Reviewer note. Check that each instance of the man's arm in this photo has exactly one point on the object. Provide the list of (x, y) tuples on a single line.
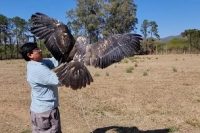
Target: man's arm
[(43, 75)]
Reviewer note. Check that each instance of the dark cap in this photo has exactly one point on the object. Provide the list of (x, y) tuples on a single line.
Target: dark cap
[(27, 48)]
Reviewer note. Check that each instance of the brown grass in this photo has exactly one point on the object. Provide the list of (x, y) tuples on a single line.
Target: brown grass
[(168, 97)]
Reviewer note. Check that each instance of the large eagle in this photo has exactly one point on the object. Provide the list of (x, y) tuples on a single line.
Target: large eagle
[(73, 54)]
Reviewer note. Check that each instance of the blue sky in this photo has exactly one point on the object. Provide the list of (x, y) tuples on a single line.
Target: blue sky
[(172, 16)]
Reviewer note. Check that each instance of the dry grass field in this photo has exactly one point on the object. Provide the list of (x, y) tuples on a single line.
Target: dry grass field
[(145, 94)]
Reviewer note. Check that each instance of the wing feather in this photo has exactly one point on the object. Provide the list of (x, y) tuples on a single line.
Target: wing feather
[(56, 35), (118, 48), (113, 49), (74, 75)]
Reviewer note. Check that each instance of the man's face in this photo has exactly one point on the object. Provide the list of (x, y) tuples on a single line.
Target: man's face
[(35, 54)]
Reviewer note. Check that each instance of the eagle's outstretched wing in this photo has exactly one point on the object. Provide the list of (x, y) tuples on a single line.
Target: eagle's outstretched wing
[(56, 35), (108, 51), (60, 42)]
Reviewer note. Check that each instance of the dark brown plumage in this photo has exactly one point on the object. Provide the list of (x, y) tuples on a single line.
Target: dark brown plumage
[(74, 54)]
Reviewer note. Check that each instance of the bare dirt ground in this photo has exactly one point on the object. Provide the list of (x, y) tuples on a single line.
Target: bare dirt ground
[(148, 94)]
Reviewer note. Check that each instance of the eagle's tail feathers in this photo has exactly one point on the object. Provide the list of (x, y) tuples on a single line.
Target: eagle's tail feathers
[(74, 75)]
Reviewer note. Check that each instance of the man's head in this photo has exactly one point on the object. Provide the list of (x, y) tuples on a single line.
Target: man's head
[(30, 51)]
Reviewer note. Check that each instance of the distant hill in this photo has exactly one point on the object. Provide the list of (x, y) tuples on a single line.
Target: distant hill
[(166, 39)]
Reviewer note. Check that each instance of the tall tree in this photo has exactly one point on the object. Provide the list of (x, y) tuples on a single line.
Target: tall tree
[(149, 27), (154, 32), (100, 18), (3, 32), (193, 37), (84, 18), (154, 29), (144, 31), (3, 28), (20, 28), (120, 16), (144, 28)]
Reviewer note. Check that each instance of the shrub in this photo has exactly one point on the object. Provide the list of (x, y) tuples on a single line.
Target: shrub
[(129, 69)]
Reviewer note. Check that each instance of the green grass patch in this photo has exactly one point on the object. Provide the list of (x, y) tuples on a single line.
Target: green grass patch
[(174, 69), (26, 131), (129, 69), (145, 73), (173, 129), (107, 74), (97, 75)]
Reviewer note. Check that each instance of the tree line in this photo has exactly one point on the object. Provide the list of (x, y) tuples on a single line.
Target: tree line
[(97, 19), (13, 32)]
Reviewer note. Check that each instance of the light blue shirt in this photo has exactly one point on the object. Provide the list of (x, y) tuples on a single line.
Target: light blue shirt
[(43, 82)]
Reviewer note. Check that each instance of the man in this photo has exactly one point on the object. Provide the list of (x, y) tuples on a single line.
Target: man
[(44, 112)]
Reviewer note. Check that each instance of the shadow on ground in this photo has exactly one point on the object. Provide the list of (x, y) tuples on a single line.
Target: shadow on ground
[(118, 129)]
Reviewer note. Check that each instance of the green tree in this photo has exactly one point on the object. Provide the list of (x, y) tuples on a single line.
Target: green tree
[(19, 29), (149, 27), (3, 28), (100, 18), (193, 37), (154, 29), (84, 18), (144, 28), (154, 32), (3, 33), (120, 16), (144, 31)]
